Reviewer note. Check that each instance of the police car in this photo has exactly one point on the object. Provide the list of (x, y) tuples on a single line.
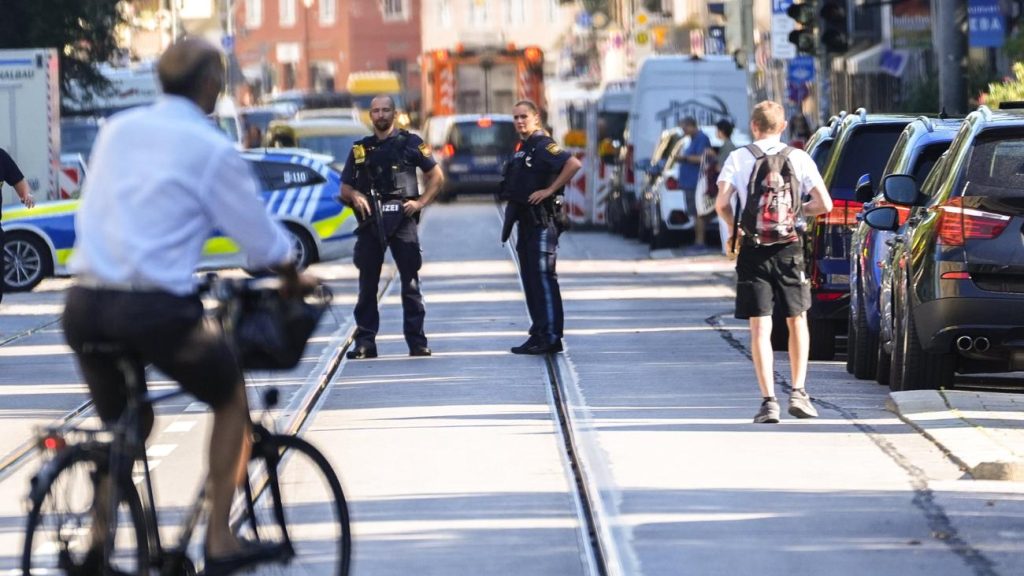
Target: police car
[(299, 189)]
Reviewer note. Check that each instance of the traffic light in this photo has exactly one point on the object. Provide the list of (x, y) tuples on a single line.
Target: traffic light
[(833, 26), (803, 35)]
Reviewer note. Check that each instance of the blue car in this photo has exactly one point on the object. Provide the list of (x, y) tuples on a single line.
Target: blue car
[(299, 188), (475, 149), (917, 150)]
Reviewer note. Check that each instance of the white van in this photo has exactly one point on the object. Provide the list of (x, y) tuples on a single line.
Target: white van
[(669, 88)]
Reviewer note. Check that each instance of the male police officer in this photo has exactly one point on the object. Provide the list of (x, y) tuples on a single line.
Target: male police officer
[(379, 182), (537, 171)]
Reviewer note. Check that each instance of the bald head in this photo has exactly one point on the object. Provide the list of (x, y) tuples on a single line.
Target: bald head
[(193, 68)]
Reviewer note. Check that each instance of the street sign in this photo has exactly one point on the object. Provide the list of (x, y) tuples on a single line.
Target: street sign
[(228, 43), (800, 69), (782, 25), (986, 24)]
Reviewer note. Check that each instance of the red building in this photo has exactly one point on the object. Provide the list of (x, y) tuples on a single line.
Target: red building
[(315, 44)]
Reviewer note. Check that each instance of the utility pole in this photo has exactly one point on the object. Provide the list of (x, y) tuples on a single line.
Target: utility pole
[(949, 35)]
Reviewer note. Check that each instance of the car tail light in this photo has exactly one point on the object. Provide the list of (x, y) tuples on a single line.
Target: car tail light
[(484, 122), (828, 296), (844, 213), (957, 224), (956, 276), (671, 184), (449, 151), (630, 174)]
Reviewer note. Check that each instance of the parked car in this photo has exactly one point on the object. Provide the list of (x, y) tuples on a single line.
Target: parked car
[(78, 134), (331, 137), (300, 190), (625, 207), (958, 273), (919, 147), (476, 148), (861, 146)]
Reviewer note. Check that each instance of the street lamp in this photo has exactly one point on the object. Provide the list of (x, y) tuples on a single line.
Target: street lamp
[(309, 61)]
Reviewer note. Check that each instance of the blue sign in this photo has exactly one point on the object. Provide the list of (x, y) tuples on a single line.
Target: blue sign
[(986, 24), (780, 6), (800, 70), (583, 19), (227, 42), (893, 62)]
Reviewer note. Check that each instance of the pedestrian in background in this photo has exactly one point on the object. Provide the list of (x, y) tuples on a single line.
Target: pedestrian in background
[(536, 174), (724, 130), (799, 131), (771, 262), (10, 173), (384, 164), (690, 160)]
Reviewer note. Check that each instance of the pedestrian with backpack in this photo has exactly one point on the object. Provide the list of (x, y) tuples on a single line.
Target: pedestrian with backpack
[(775, 188)]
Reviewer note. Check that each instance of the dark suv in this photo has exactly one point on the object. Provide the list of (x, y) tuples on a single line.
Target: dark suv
[(958, 273), (476, 147), (919, 147), (862, 146)]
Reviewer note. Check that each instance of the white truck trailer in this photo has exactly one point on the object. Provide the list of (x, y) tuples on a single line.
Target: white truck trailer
[(30, 118)]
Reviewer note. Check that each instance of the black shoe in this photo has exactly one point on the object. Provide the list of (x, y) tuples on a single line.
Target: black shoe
[(362, 352), (522, 348), (419, 351), (542, 348), (251, 554)]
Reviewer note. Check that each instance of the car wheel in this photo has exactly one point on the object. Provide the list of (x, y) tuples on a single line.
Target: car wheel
[(302, 244), (865, 361), (27, 260), (923, 370), (823, 339)]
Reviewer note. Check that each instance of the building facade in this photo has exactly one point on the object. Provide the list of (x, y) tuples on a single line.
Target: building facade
[(314, 44)]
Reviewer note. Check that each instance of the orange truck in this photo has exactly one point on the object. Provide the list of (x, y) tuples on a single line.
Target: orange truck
[(480, 80)]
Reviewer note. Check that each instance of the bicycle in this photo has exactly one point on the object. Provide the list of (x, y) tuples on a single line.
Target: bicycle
[(94, 470)]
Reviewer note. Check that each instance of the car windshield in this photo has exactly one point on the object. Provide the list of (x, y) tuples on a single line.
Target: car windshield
[(483, 138), (866, 152), (78, 138), (996, 164), (363, 101), (336, 146), (260, 119)]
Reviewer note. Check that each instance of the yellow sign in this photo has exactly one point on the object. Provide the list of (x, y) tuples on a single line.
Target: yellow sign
[(642, 38), (642, 18)]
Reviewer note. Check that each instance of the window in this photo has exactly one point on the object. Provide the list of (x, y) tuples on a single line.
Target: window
[(515, 11), (995, 166), (395, 10), (444, 12), (477, 12), (287, 15), (926, 161), (865, 152), (328, 11), (253, 14)]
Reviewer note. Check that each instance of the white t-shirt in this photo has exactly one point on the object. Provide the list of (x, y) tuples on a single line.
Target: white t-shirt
[(740, 164)]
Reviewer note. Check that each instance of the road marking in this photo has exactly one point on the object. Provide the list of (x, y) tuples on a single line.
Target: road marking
[(180, 426), (196, 407), (160, 450)]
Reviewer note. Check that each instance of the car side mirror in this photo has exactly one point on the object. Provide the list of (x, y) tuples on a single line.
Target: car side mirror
[(864, 191), (885, 218), (900, 189)]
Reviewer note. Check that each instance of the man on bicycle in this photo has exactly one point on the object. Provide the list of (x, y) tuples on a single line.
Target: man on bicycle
[(161, 180)]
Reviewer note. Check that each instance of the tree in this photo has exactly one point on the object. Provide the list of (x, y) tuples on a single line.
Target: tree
[(82, 31), (1009, 90)]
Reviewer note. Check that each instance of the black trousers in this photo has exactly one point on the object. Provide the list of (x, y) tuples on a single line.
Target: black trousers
[(537, 247), (368, 258), (3, 264)]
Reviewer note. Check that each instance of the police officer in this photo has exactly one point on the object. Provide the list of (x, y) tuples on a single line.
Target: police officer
[(533, 180), (10, 173), (379, 182)]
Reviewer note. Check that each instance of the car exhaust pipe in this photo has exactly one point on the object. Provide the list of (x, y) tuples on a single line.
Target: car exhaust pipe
[(964, 343), (981, 344)]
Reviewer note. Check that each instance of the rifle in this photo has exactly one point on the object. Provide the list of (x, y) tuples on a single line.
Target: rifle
[(378, 216)]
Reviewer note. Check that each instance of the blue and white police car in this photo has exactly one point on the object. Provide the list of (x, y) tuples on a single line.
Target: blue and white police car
[(300, 189)]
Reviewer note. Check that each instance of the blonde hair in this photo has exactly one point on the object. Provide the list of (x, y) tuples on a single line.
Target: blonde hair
[(768, 117)]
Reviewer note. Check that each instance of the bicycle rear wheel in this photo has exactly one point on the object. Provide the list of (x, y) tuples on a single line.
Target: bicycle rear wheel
[(59, 535), (293, 497)]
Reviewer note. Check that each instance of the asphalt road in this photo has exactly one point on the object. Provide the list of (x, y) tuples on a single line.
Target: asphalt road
[(455, 464)]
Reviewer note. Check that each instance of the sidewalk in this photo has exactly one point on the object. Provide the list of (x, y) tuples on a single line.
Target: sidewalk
[(983, 432)]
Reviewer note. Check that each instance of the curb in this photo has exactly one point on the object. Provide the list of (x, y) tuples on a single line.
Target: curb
[(934, 413)]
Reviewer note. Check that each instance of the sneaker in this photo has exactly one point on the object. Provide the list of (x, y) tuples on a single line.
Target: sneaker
[(800, 405), (768, 414)]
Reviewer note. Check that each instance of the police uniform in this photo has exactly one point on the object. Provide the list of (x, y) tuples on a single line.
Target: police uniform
[(388, 168), (536, 163)]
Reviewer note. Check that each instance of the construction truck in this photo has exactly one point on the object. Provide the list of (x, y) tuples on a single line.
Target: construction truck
[(479, 80), (30, 118)]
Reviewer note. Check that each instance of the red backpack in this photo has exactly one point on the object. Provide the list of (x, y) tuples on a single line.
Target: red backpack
[(774, 211)]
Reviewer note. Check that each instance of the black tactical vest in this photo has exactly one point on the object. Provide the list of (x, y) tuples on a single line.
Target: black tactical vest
[(387, 169)]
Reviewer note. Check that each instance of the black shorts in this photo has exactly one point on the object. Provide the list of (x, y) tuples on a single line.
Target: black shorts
[(158, 328), (769, 274)]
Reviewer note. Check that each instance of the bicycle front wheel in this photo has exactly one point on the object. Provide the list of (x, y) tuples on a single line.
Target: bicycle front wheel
[(294, 498), (63, 525)]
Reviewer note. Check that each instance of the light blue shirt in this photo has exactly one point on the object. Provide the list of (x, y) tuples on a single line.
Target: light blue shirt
[(161, 180)]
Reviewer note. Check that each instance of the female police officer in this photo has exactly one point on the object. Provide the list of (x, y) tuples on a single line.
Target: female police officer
[(536, 173)]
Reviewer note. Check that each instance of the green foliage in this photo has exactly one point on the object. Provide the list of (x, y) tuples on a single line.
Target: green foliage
[(82, 31), (1007, 90)]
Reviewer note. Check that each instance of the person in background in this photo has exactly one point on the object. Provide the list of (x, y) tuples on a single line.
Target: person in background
[(10, 173), (799, 131), (724, 129), (689, 173)]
